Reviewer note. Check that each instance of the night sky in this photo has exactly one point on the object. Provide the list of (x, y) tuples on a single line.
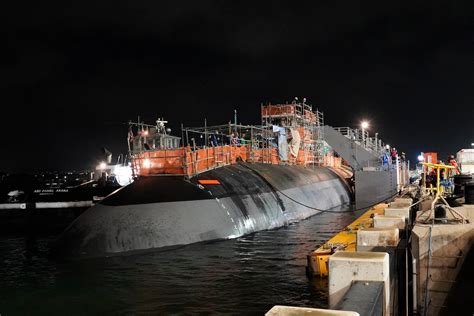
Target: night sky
[(74, 73)]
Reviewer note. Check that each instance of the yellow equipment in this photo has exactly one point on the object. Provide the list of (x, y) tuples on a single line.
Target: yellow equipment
[(439, 189), (439, 192)]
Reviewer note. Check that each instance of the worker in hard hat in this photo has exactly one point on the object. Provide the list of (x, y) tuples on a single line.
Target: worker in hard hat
[(452, 162)]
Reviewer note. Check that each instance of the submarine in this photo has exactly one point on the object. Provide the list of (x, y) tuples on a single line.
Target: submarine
[(216, 182)]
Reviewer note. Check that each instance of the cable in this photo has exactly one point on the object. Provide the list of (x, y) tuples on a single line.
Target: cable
[(314, 208), (307, 206), (329, 210)]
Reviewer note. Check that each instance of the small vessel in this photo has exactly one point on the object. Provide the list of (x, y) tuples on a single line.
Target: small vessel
[(219, 182), (50, 201)]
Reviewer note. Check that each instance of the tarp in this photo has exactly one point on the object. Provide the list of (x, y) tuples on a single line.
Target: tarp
[(295, 142)]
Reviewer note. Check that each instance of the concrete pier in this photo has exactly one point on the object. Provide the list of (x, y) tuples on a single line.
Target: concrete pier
[(439, 252), (279, 310), (346, 267), (416, 268)]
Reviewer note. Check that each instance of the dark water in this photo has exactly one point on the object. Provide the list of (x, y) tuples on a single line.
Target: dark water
[(244, 276)]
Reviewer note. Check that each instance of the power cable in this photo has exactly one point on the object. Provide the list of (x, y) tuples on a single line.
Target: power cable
[(302, 204)]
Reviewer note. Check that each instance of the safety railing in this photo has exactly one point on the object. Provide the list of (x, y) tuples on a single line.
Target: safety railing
[(362, 138)]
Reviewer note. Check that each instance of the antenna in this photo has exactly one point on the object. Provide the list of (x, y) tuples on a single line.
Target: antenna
[(235, 119)]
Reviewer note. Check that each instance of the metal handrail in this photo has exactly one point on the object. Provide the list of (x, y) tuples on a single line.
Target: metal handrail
[(363, 139)]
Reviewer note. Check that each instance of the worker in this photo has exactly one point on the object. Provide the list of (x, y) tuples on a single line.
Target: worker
[(282, 142), (384, 159), (431, 178), (213, 140), (243, 139), (452, 162), (394, 155), (234, 139)]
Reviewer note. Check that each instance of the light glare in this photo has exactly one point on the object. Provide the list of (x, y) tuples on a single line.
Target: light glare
[(146, 163)]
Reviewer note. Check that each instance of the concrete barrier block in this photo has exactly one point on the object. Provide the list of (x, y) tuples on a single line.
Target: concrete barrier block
[(369, 238), (381, 221), (397, 211), (399, 204), (403, 200), (280, 310), (364, 297), (346, 267)]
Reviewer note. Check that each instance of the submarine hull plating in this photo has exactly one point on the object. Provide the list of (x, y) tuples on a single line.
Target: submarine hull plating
[(161, 211)]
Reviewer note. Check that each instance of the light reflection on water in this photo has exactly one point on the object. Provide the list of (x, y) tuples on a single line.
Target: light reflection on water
[(247, 275)]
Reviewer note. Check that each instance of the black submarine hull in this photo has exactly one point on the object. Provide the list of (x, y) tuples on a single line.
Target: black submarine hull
[(163, 211)]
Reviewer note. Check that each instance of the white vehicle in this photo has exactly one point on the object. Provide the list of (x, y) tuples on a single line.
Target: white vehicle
[(465, 159)]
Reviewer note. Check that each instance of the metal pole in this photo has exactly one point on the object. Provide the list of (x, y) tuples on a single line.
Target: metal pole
[(187, 138), (205, 132), (363, 137), (376, 141), (128, 139)]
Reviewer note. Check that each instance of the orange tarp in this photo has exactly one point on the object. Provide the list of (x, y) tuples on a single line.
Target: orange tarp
[(276, 110), (184, 161)]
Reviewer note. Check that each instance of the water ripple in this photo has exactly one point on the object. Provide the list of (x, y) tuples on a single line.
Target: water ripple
[(247, 275)]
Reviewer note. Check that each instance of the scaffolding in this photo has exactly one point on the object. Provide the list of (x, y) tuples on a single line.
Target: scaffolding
[(300, 117), (199, 149)]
